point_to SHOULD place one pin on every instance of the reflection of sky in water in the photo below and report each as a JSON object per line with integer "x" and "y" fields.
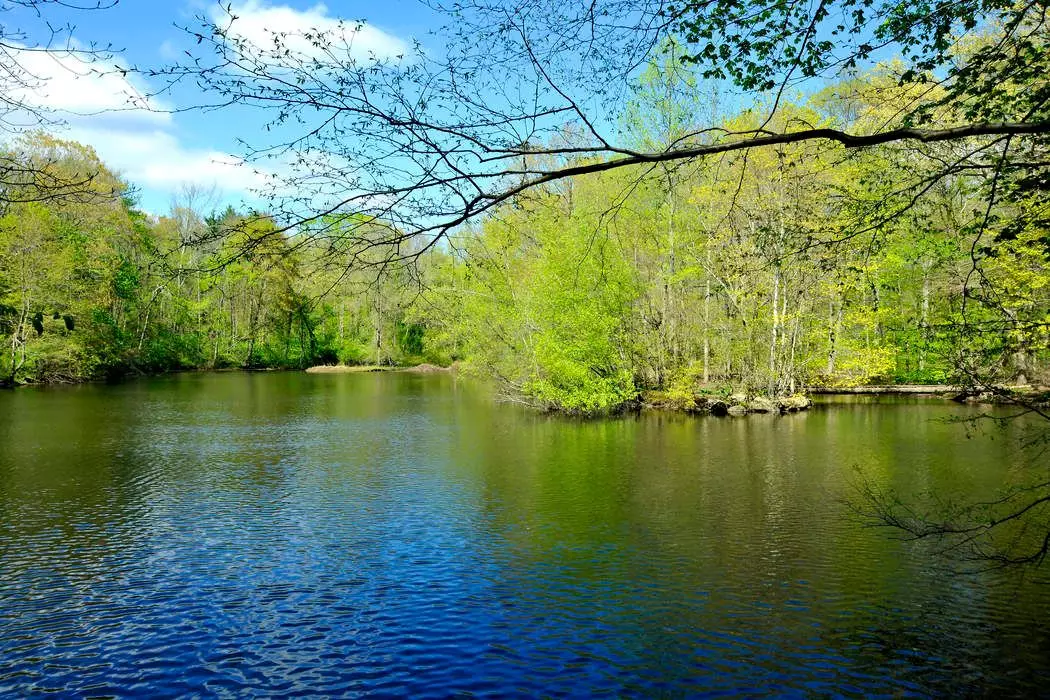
{"x": 397, "y": 533}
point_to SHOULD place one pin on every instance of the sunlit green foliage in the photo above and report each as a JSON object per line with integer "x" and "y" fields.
{"x": 761, "y": 272}
{"x": 92, "y": 288}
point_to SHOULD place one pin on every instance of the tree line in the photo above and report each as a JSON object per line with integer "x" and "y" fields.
{"x": 763, "y": 272}
{"x": 91, "y": 287}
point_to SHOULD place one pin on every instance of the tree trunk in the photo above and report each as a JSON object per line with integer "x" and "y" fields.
{"x": 924, "y": 318}
{"x": 18, "y": 342}
{"x": 774, "y": 333}
{"x": 145, "y": 321}
{"x": 876, "y": 303}
{"x": 794, "y": 343}
{"x": 707, "y": 331}
{"x": 1019, "y": 360}
{"x": 379, "y": 331}
{"x": 669, "y": 294}
{"x": 834, "y": 324}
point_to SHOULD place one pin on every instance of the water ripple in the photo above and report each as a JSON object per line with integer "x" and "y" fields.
{"x": 296, "y": 534}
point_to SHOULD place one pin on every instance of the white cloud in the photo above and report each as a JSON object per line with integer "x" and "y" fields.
{"x": 66, "y": 83}
{"x": 133, "y": 133}
{"x": 136, "y": 134}
{"x": 259, "y": 22}
{"x": 156, "y": 159}
{"x": 167, "y": 50}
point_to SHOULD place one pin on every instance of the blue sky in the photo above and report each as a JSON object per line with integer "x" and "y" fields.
{"x": 160, "y": 152}
{"x": 160, "y": 149}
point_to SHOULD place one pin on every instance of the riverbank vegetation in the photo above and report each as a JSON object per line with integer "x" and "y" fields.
{"x": 888, "y": 227}
{"x": 761, "y": 273}
{"x": 91, "y": 287}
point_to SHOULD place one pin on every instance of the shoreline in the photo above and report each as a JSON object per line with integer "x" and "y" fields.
{"x": 899, "y": 389}
{"x": 424, "y": 368}
{"x": 1035, "y": 395}
{"x": 317, "y": 369}
{"x": 736, "y": 404}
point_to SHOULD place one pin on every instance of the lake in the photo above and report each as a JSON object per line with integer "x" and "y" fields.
{"x": 284, "y": 533}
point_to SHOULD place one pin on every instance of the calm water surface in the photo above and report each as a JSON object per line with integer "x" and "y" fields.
{"x": 275, "y": 534}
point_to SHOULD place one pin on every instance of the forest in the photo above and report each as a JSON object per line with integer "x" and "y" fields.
{"x": 763, "y": 271}
{"x": 411, "y": 348}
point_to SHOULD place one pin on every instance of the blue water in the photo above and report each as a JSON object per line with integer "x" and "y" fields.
{"x": 280, "y": 534}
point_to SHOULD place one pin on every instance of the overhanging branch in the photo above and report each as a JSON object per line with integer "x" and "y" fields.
{"x": 846, "y": 139}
